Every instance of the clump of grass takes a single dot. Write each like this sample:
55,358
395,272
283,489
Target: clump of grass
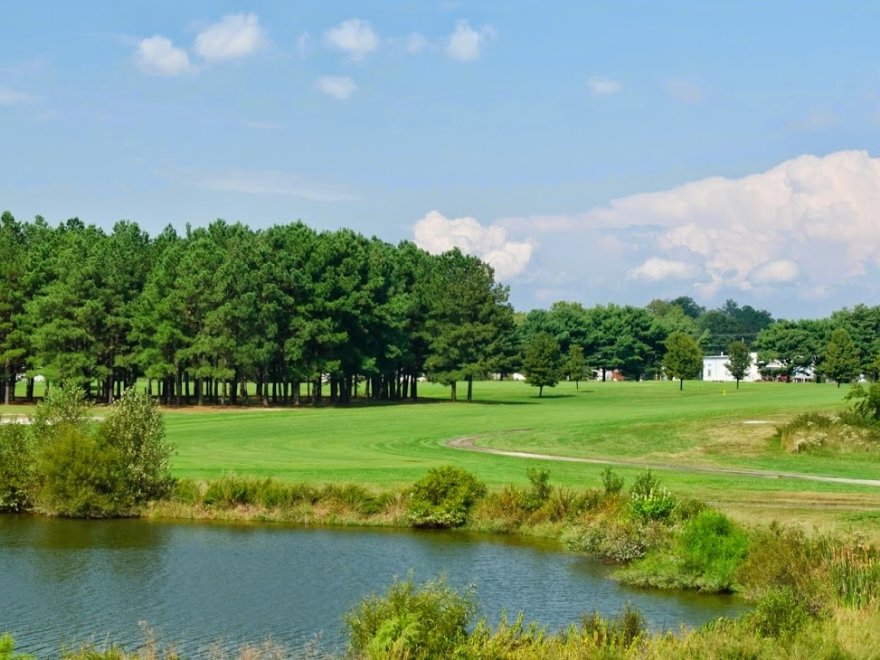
411,622
855,573
817,432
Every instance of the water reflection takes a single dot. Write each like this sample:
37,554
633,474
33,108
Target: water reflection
197,584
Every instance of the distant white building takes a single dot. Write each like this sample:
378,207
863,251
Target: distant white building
715,368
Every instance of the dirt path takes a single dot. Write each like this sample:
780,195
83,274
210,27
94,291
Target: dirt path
467,444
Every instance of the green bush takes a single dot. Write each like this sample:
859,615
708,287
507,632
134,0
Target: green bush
781,613
64,406
620,541
443,498
411,622
711,548
611,482
650,501
540,490
134,428
866,401
79,477
17,469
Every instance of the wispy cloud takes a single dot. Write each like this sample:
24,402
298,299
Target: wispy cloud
415,43
465,44
15,97
262,182
601,86
683,91
340,88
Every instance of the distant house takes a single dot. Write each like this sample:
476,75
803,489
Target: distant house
715,368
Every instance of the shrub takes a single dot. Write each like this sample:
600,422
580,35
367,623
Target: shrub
135,429
64,406
648,500
779,614
79,477
615,540
443,498
866,401
712,548
17,474
611,482
540,490
411,622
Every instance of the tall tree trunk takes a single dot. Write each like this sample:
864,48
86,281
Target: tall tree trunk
453,393
414,390
29,394
470,390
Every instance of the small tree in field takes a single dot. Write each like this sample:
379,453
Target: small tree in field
575,366
683,358
542,362
841,362
740,360
134,428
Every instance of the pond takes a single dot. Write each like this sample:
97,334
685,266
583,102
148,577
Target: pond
64,582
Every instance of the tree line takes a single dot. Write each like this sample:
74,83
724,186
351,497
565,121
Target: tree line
203,313
314,316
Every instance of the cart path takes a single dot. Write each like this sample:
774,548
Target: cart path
467,444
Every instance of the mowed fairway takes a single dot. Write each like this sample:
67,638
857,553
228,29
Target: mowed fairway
707,425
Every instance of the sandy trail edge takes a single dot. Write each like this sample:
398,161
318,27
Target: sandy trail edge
468,444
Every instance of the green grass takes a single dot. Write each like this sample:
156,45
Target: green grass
642,422
650,422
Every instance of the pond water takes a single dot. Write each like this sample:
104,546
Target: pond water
64,582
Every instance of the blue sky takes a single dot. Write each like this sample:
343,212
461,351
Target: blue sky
590,151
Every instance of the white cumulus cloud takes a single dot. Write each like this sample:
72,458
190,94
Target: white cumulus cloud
158,56
339,87
656,269
354,37
232,37
811,224
465,43
601,86
436,233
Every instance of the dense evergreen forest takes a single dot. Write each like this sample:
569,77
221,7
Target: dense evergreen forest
308,315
